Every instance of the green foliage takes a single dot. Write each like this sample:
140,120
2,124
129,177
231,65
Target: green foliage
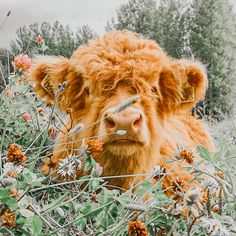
212,40
135,15
59,39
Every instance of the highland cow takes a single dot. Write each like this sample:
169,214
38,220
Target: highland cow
104,73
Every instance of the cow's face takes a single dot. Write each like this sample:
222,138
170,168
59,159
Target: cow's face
132,129
106,73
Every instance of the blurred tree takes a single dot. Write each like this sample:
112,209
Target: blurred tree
84,34
170,28
58,39
135,15
212,38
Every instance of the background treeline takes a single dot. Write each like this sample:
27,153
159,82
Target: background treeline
199,29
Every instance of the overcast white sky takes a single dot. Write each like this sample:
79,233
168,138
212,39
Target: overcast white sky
76,13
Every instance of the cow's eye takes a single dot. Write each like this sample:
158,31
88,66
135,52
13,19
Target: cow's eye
154,89
87,90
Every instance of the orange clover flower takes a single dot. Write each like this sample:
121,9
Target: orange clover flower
22,63
137,228
8,219
15,154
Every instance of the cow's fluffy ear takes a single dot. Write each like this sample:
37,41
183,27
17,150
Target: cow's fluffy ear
169,91
49,72
193,82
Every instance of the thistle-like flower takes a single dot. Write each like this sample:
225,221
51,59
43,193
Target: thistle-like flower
11,170
8,218
187,156
15,154
95,147
66,167
49,165
137,228
159,171
78,163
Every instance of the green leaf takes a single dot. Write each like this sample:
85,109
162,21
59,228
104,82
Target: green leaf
20,221
89,164
81,221
11,203
146,185
4,194
217,156
204,153
35,224
91,209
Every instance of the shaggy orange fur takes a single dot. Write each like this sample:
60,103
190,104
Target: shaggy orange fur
107,71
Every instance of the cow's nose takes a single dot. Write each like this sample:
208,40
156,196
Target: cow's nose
130,120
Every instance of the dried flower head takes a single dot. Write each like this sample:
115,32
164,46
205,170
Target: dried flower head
13,192
8,218
49,164
66,167
187,155
192,197
137,228
40,110
11,173
21,63
9,169
78,163
216,208
94,197
69,110
20,81
95,147
27,117
158,172
211,184
52,132
177,185
9,93
220,174
15,154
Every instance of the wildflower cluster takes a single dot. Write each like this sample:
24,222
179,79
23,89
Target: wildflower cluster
21,64
35,201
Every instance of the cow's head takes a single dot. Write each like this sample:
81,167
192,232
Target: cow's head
108,71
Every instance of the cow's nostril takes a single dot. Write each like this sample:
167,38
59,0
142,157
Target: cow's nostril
109,123
138,122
